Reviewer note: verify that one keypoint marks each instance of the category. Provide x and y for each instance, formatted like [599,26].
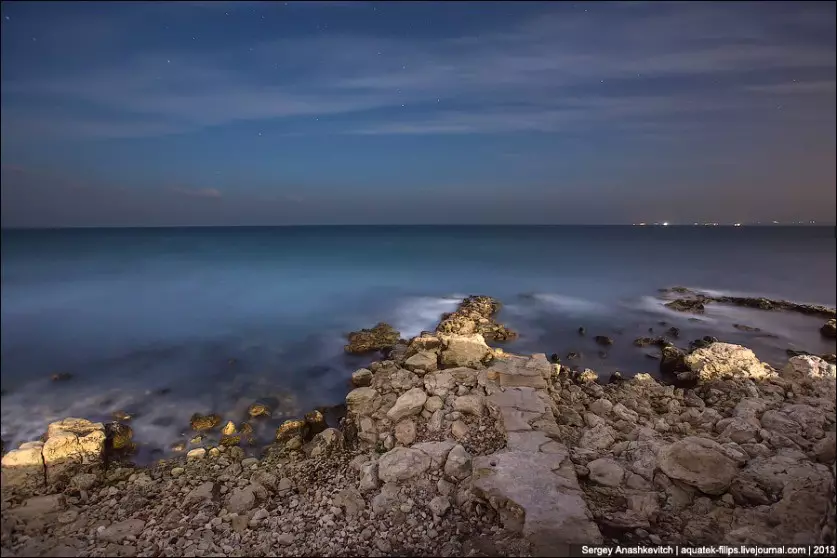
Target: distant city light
[665,224]
[737,225]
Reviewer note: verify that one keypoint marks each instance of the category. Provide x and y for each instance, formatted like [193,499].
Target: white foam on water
[570,304]
[418,314]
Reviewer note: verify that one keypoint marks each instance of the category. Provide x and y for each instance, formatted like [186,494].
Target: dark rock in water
[694,320]
[582,331]
[573,355]
[247,434]
[397,353]
[652,355]
[121,416]
[119,436]
[743,327]
[704,341]
[616,377]
[829,329]
[602,354]
[646,341]
[316,423]
[662,323]
[382,336]
[603,340]
[695,305]
[650,330]
[793,352]
[290,429]
[259,409]
[830,358]
[232,362]
[162,391]
[672,361]
[555,358]
[762,303]
[61,377]
[674,332]
[334,413]
[200,422]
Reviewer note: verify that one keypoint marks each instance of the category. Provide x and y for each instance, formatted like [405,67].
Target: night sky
[243,113]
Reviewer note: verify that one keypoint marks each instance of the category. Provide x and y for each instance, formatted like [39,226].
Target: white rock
[408,404]
[362,377]
[725,360]
[401,464]
[405,431]
[698,462]
[470,404]
[439,505]
[606,472]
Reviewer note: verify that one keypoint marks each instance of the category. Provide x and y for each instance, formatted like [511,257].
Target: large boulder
[382,336]
[464,350]
[362,401]
[725,361]
[422,362]
[829,329]
[73,446]
[698,462]
[23,468]
[808,366]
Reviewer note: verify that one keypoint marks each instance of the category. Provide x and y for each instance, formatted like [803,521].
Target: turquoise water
[130,312]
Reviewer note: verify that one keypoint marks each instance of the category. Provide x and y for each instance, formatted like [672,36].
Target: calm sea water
[215,318]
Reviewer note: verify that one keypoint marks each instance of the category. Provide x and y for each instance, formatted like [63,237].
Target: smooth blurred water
[131,311]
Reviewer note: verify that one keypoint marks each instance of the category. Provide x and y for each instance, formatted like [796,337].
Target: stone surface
[401,463]
[362,377]
[23,468]
[422,362]
[698,462]
[463,350]
[118,532]
[362,401]
[458,464]
[405,432]
[606,472]
[73,446]
[408,404]
[552,516]
[469,404]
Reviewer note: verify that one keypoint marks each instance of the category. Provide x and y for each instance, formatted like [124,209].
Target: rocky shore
[450,447]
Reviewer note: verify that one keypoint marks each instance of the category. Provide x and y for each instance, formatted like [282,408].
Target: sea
[166,322]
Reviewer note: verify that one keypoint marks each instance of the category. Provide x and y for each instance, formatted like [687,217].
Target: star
[168,61]
[260,133]
[7,18]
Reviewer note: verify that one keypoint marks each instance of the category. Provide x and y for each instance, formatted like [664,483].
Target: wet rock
[291,429]
[382,336]
[201,423]
[672,361]
[61,377]
[259,410]
[315,423]
[603,340]
[120,435]
[693,305]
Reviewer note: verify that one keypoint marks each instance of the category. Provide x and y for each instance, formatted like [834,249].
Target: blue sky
[214,113]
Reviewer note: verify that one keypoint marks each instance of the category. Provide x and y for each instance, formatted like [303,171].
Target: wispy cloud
[546,73]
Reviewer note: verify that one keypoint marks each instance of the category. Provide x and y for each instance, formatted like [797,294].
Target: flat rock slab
[699,462]
[522,372]
[531,500]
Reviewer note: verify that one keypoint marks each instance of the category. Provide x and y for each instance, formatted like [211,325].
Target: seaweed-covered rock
[120,435]
[259,409]
[694,305]
[382,336]
[202,423]
[290,429]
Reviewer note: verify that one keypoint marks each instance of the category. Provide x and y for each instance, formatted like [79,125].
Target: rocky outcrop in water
[695,302]
[829,329]
[382,336]
[476,315]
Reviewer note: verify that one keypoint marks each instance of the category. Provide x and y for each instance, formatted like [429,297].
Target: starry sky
[282,113]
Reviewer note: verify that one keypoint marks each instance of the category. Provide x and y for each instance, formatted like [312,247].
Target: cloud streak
[546,73]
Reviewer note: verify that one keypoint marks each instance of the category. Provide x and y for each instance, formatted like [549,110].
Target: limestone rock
[808,366]
[606,472]
[515,371]
[23,468]
[829,329]
[438,451]
[408,404]
[459,430]
[439,384]
[469,404]
[362,401]
[698,462]
[458,464]
[405,431]
[118,532]
[362,377]
[553,516]
[401,463]
[326,442]
[464,350]
[73,446]
[422,362]
[725,360]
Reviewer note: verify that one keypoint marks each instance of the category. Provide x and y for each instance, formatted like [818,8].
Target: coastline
[451,447]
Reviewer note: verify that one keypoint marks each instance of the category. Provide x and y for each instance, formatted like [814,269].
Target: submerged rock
[120,435]
[694,305]
[61,377]
[829,329]
[603,340]
[382,336]
[259,409]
